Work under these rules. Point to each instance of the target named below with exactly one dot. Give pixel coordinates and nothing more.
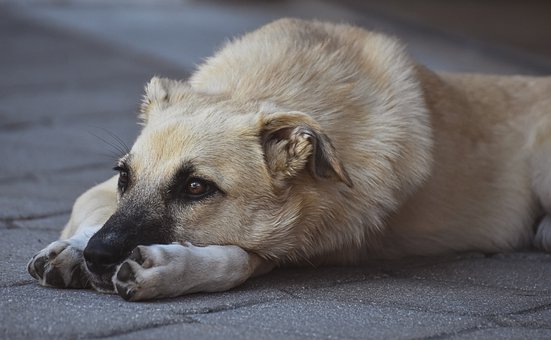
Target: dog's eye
(196, 188)
(123, 178)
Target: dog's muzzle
(123, 232)
(101, 257)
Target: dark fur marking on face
(180, 177)
(132, 225)
(185, 177)
(142, 219)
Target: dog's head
(211, 171)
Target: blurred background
(73, 71)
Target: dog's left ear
(159, 94)
(294, 141)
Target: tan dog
(308, 142)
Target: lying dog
(310, 143)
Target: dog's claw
(125, 280)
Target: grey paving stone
(68, 72)
(111, 101)
(306, 278)
(188, 34)
(539, 317)
(426, 295)
(296, 279)
(210, 331)
(523, 256)
(48, 195)
(83, 313)
(134, 26)
(52, 149)
(54, 223)
(505, 333)
(525, 271)
(51, 77)
(332, 319)
(35, 53)
(16, 249)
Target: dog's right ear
(293, 142)
(159, 94)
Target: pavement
(72, 74)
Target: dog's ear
(293, 141)
(159, 94)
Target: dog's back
(439, 162)
(484, 192)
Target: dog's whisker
(118, 144)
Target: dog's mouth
(102, 282)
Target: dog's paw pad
(58, 265)
(125, 280)
(125, 273)
(53, 277)
(36, 268)
(136, 277)
(148, 256)
(79, 278)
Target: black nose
(100, 257)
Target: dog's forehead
(206, 141)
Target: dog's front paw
(59, 265)
(169, 270)
(139, 277)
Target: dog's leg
(160, 271)
(541, 180)
(61, 263)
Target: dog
(310, 143)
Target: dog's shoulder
(293, 54)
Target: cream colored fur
(332, 147)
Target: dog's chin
(103, 283)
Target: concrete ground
(71, 77)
